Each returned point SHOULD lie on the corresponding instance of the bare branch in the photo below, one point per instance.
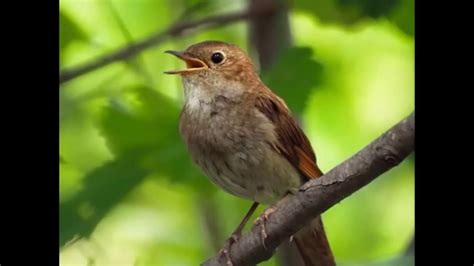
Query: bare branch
(176, 29)
(316, 196)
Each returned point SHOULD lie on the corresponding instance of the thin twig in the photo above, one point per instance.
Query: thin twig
(133, 49)
(318, 195)
(136, 62)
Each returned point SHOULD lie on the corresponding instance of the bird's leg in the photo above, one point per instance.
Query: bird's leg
(236, 234)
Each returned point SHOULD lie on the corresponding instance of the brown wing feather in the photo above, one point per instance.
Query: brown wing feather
(292, 142)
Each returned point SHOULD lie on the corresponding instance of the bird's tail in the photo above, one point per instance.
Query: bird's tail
(313, 244)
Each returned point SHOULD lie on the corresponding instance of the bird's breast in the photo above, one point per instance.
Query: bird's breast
(232, 143)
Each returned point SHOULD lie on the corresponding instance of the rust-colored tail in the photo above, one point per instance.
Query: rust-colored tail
(313, 244)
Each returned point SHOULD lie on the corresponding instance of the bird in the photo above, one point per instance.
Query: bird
(245, 139)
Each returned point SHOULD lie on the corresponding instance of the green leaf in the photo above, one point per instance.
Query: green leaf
(102, 189)
(62, 160)
(293, 77)
(370, 8)
(143, 136)
(69, 31)
(149, 124)
(404, 16)
(348, 12)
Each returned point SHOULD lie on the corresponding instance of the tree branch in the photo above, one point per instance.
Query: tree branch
(316, 196)
(133, 49)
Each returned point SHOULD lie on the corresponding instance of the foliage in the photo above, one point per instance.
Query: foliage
(128, 187)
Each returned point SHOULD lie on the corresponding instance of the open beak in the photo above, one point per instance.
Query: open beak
(192, 63)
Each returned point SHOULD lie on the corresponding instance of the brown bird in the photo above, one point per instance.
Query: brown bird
(244, 138)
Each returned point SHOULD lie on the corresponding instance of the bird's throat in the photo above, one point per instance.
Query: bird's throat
(203, 96)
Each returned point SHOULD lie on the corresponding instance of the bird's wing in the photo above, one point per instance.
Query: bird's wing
(292, 142)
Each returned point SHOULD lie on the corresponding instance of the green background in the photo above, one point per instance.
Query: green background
(130, 194)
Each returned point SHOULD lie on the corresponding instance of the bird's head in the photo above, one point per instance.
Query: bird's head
(214, 60)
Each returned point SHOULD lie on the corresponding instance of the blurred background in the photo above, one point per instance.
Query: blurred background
(129, 193)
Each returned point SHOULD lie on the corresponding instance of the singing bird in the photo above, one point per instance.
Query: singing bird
(245, 139)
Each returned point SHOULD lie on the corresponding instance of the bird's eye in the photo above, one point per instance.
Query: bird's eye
(217, 57)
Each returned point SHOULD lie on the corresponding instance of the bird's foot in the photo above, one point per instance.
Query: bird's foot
(261, 220)
(226, 249)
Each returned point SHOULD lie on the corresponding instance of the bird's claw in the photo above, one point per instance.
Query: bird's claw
(261, 220)
(226, 249)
